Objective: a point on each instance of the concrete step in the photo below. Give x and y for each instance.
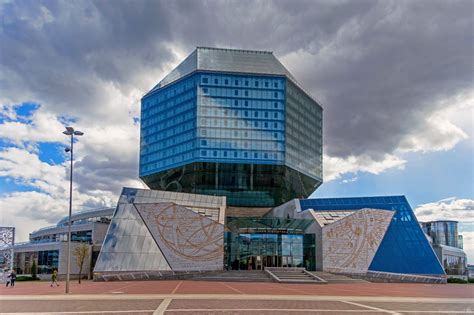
(235, 276)
(337, 278)
(296, 275)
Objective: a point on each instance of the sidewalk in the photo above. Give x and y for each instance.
(244, 288)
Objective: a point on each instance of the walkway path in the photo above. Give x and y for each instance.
(200, 297)
(246, 288)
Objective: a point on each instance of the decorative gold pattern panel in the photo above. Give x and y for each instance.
(349, 245)
(188, 241)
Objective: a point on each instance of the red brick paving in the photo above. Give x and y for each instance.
(212, 287)
(79, 306)
(260, 304)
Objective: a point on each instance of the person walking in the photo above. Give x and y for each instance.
(6, 277)
(54, 278)
(12, 277)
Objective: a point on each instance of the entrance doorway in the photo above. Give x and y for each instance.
(256, 251)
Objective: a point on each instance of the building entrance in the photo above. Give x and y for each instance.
(252, 247)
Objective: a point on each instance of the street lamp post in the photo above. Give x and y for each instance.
(70, 132)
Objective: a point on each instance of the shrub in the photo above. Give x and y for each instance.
(456, 280)
(34, 270)
(26, 278)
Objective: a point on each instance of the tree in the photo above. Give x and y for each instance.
(81, 252)
(34, 270)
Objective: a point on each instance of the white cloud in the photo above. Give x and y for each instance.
(468, 244)
(372, 97)
(461, 210)
(335, 167)
(441, 131)
(350, 180)
(41, 126)
(444, 128)
(105, 161)
(27, 169)
(7, 111)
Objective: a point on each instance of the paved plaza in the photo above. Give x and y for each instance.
(200, 297)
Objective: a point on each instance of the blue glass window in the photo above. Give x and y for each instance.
(204, 80)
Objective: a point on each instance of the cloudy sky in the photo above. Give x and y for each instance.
(395, 79)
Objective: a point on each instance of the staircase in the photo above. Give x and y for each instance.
(235, 276)
(293, 275)
(336, 278)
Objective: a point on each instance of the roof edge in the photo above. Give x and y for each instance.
(236, 49)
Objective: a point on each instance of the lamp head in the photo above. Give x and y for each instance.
(69, 131)
(67, 150)
(78, 133)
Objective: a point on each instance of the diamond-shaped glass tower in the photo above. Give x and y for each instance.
(232, 123)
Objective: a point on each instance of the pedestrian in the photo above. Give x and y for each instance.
(54, 278)
(6, 277)
(12, 277)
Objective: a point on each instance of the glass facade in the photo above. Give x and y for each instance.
(168, 127)
(129, 245)
(443, 232)
(256, 243)
(224, 129)
(47, 261)
(404, 248)
(304, 139)
(241, 119)
(454, 264)
(79, 236)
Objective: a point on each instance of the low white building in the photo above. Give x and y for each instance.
(48, 246)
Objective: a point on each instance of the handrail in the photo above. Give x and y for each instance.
(44, 228)
(36, 242)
